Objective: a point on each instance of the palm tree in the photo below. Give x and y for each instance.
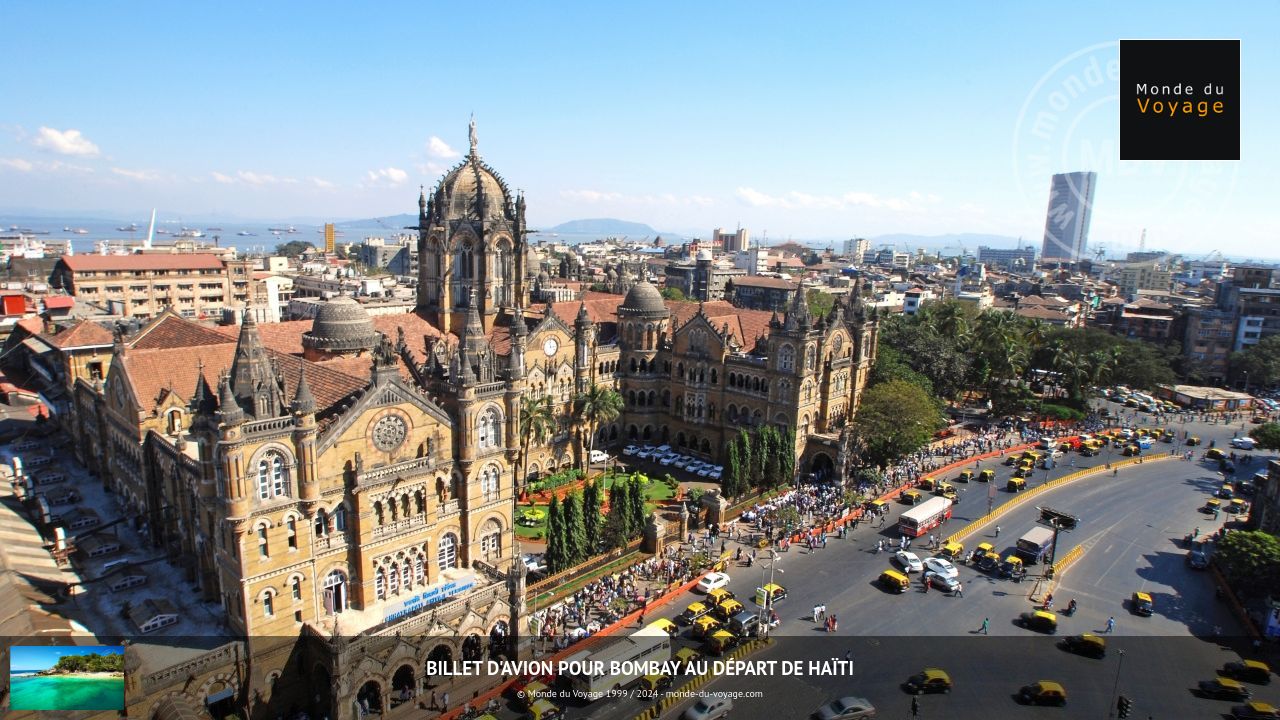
(537, 423)
(949, 319)
(597, 405)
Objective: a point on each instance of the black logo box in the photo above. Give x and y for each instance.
(1154, 124)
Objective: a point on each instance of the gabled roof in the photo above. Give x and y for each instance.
(170, 330)
(745, 326)
(83, 334)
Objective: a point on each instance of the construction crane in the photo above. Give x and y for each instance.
(1100, 253)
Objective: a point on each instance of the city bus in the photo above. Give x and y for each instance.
(644, 645)
(924, 517)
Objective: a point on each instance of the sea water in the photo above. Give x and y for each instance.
(62, 692)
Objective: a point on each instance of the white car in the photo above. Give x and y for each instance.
(1243, 443)
(644, 453)
(715, 474)
(941, 566)
(713, 581)
(706, 471)
(909, 561)
(709, 708)
(668, 459)
(695, 466)
(846, 708)
(630, 450)
(599, 456)
(680, 461)
(664, 449)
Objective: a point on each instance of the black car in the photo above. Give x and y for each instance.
(1224, 689)
(1197, 560)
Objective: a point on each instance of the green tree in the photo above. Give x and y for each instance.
(557, 556)
(293, 248)
(894, 420)
(617, 527)
(787, 457)
(673, 293)
(592, 520)
(635, 508)
(1267, 435)
(773, 457)
(537, 424)
(820, 303)
(730, 479)
(1259, 364)
(575, 529)
(889, 365)
(598, 405)
(1250, 561)
(746, 457)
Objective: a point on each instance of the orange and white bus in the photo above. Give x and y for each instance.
(924, 517)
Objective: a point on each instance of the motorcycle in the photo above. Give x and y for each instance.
(1071, 609)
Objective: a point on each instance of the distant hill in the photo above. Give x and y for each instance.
(602, 226)
(970, 241)
(394, 221)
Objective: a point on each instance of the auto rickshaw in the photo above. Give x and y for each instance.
(1214, 454)
(1015, 484)
(1225, 491)
(770, 594)
(703, 626)
(964, 476)
(894, 581)
(1012, 567)
(912, 497)
(666, 626)
(1087, 644)
(952, 550)
(1012, 460)
(1238, 507)
(695, 611)
(947, 491)
(1023, 472)
(987, 475)
(728, 609)
(1131, 450)
(926, 484)
(720, 642)
(544, 710)
(1212, 506)
(1193, 441)
(1167, 436)
(1142, 604)
(717, 596)
(654, 683)
(876, 507)
(686, 656)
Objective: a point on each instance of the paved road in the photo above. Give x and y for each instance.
(1129, 527)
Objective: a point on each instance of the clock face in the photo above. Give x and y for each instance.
(389, 432)
(550, 346)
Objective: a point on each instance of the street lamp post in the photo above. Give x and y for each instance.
(1115, 688)
(767, 605)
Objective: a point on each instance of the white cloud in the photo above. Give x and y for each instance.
(390, 175)
(322, 184)
(431, 169)
(136, 174)
(224, 179)
(590, 196)
(438, 148)
(259, 179)
(16, 164)
(659, 199)
(65, 142)
(796, 200)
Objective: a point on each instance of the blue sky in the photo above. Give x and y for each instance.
(806, 120)
(43, 657)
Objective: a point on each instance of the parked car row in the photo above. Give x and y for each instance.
(665, 456)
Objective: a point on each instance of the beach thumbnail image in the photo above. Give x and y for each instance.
(66, 677)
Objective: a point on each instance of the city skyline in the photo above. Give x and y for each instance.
(840, 122)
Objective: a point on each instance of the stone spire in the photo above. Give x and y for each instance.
(229, 411)
(254, 380)
(798, 317)
(304, 403)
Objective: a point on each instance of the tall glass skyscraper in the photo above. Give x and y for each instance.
(1066, 226)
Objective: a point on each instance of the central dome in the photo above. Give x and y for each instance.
(644, 297)
(341, 326)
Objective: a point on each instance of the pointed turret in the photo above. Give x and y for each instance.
(798, 317)
(254, 379)
(229, 410)
(304, 403)
(203, 399)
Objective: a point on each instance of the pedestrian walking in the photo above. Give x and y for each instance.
(986, 625)
(816, 610)
(1111, 624)
(822, 612)
(915, 707)
(959, 589)
(444, 702)
(997, 531)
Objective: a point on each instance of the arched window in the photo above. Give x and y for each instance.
(269, 603)
(491, 540)
(489, 483)
(335, 591)
(393, 580)
(810, 357)
(291, 531)
(263, 549)
(786, 358)
(175, 421)
(418, 570)
(296, 586)
(713, 376)
(340, 518)
(406, 573)
(489, 429)
(447, 554)
(322, 523)
(273, 481)
(380, 584)
(466, 268)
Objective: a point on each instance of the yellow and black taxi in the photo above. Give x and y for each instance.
(989, 561)
(1142, 604)
(1255, 711)
(1253, 671)
(685, 657)
(694, 611)
(703, 626)
(964, 476)
(1193, 441)
(1214, 454)
(876, 507)
(1041, 621)
(1023, 471)
(1012, 460)
(1224, 491)
(929, 680)
(1044, 692)
(717, 596)
(1086, 644)
(770, 594)
(911, 497)
(666, 626)
(987, 475)
(1237, 506)
(1211, 506)
(720, 642)
(894, 581)
(728, 609)
(544, 710)
(655, 683)
(926, 484)
(951, 550)
(1221, 688)
(1132, 450)
(948, 491)
(532, 692)
(1017, 483)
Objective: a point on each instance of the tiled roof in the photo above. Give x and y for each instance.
(285, 337)
(82, 334)
(1040, 312)
(153, 371)
(59, 302)
(601, 308)
(149, 261)
(744, 325)
(169, 330)
(762, 281)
